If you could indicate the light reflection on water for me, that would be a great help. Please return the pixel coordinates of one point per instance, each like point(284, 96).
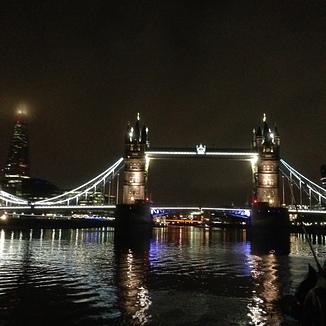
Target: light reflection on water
point(131, 279)
point(181, 275)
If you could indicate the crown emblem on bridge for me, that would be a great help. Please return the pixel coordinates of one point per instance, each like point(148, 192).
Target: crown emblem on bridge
point(201, 149)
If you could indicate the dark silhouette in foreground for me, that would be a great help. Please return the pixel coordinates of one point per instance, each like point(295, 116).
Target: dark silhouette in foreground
point(308, 305)
point(306, 285)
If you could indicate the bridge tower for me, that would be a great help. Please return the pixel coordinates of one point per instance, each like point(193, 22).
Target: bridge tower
point(135, 172)
point(266, 167)
point(133, 214)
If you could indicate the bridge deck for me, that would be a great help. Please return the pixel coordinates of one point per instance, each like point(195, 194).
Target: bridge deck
point(202, 152)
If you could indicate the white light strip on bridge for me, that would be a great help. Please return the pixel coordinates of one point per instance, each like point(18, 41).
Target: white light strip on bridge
point(307, 211)
point(13, 208)
point(176, 208)
point(296, 173)
point(225, 209)
point(200, 208)
point(230, 154)
point(5, 196)
point(200, 155)
point(316, 192)
point(171, 153)
point(106, 173)
point(76, 207)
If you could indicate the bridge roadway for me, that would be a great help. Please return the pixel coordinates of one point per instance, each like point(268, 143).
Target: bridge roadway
point(68, 210)
point(245, 212)
point(309, 217)
point(201, 151)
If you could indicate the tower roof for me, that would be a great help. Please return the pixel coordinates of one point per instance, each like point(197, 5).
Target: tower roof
point(137, 134)
point(266, 130)
point(258, 132)
point(137, 130)
point(276, 134)
point(267, 134)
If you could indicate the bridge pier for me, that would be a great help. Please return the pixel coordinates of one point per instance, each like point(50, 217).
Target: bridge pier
point(135, 206)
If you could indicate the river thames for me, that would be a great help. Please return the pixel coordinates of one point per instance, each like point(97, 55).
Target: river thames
point(180, 275)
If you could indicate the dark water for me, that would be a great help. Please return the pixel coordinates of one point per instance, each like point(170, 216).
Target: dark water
point(180, 276)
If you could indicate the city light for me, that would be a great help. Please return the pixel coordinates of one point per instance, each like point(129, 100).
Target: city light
point(22, 109)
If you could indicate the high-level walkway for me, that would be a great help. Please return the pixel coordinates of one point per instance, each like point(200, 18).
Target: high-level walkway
point(199, 151)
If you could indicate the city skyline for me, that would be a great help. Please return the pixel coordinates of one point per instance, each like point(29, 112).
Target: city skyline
point(196, 72)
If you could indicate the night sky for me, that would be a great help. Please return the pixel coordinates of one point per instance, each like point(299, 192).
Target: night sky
point(197, 71)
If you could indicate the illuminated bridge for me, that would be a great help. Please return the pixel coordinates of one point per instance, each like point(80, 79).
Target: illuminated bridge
point(308, 196)
point(275, 182)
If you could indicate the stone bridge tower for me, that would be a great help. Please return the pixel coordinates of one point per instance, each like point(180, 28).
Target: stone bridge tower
point(135, 173)
point(266, 167)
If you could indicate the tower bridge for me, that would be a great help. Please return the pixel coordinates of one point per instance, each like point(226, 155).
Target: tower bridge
point(273, 179)
point(264, 155)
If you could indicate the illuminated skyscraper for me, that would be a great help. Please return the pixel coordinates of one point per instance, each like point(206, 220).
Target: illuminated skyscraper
point(17, 167)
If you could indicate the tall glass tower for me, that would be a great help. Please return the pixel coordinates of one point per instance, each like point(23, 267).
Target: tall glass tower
point(17, 167)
